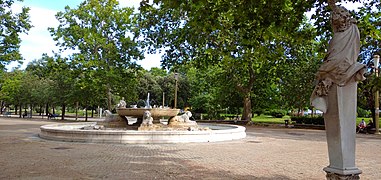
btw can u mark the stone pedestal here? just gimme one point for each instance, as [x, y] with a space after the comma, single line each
[156, 120]
[114, 121]
[340, 125]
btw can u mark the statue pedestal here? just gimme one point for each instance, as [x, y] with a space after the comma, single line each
[340, 125]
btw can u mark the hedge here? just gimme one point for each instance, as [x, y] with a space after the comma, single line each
[319, 120]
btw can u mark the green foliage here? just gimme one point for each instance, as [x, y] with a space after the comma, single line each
[12, 87]
[362, 112]
[319, 120]
[297, 72]
[104, 35]
[369, 18]
[238, 36]
[10, 28]
[278, 113]
[258, 112]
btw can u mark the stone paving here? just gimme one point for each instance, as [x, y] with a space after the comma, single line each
[266, 153]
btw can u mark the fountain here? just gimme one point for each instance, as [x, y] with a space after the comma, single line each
[147, 129]
[156, 113]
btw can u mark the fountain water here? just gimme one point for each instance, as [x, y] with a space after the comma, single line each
[147, 102]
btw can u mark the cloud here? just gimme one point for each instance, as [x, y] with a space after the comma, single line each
[150, 61]
[39, 41]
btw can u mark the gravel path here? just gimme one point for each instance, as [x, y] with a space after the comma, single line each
[266, 153]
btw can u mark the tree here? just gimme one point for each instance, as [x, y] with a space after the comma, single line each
[369, 17]
[104, 35]
[11, 89]
[10, 27]
[297, 72]
[148, 83]
[239, 36]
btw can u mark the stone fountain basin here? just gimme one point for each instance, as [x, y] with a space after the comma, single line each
[155, 112]
[72, 132]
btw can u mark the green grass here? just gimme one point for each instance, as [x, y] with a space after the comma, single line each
[269, 119]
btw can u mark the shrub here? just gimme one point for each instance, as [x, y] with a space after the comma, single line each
[362, 112]
[258, 111]
[319, 120]
[278, 113]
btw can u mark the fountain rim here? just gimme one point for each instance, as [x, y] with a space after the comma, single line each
[53, 132]
[52, 127]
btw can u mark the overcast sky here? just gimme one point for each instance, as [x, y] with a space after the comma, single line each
[42, 15]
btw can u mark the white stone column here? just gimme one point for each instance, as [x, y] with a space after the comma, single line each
[340, 124]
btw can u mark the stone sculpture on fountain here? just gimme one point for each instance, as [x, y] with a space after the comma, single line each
[182, 120]
[122, 103]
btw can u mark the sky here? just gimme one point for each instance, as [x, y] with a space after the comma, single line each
[39, 41]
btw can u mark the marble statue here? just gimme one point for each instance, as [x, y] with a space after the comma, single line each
[340, 65]
[182, 119]
[336, 94]
[147, 119]
[108, 113]
[122, 103]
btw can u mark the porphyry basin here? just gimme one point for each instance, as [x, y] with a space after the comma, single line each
[72, 132]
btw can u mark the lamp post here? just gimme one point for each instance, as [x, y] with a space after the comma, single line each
[163, 98]
[376, 59]
[176, 78]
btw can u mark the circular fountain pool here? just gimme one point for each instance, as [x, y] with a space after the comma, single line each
[75, 132]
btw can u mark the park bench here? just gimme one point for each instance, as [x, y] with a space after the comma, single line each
[7, 114]
[52, 116]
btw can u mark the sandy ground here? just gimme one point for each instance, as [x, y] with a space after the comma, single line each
[266, 153]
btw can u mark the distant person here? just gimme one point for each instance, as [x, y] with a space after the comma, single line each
[361, 127]
[369, 126]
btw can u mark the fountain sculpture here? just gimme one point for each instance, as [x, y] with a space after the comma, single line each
[147, 129]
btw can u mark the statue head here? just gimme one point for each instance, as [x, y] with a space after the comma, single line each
[341, 19]
[188, 113]
[146, 115]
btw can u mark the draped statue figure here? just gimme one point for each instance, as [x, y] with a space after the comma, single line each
[336, 94]
[340, 65]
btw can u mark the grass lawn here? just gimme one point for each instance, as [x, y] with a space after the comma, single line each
[269, 119]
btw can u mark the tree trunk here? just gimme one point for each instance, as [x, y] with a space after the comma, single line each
[40, 110]
[92, 112]
[76, 110]
[31, 111]
[247, 114]
[86, 113]
[54, 112]
[109, 98]
[2, 105]
[16, 109]
[63, 111]
[47, 109]
[20, 111]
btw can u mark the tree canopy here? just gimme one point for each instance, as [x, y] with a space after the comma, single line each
[238, 36]
[12, 24]
[104, 35]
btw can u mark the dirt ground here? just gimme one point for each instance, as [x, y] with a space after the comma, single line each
[266, 153]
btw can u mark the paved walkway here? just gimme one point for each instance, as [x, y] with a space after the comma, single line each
[266, 153]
